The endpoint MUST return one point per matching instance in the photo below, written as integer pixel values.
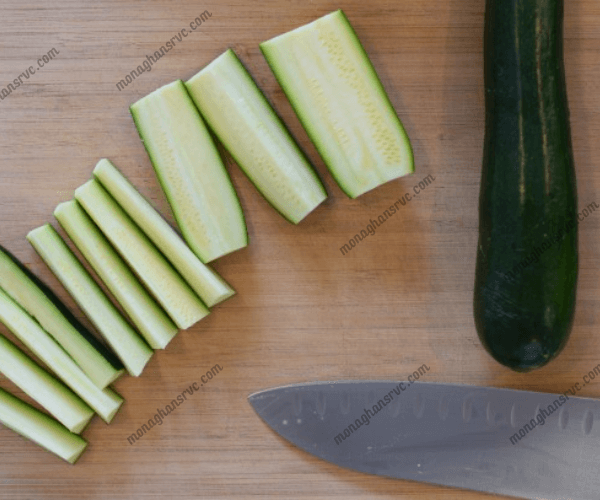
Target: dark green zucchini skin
(527, 263)
(66, 312)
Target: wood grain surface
(303, 311)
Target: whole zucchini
(527, 262)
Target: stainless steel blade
(446, 434)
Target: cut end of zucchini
(244, 121)
(224, 293)
(78, 429)
(108, 380)
(337, 95)
(191, 172)
(76, 453)
(116, 403)
(136, 366)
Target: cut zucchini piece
(244, 121)
(149, 318)
(127, 344)
(168, 287)
(209, 286)
(42, 387)
(337, 95)
(36, 298)
(38, 427)
(191, 172)
(105, 402)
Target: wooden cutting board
(303, 311)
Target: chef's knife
(485, 439)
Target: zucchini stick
(38, 427)
(105, 402)
(127, 344)
(149, 318)
(39, 385)
(207, 284)
(168, 287)
(36, 298)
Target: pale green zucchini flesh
(149, 318)
(64, 405)
(36, 298)
(38, 427)
(244, 121)
(207, 284)
(170, 290)
(191, 172)
(337, 95)
(105, 402)
(124, 340)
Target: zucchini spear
(38, 427)
(207, 284)
(337, 95)
(105, 402)
(191, 172)
(42, 387)
(97, 361)
(171, 291)
(152, 322)
(246, 124)
(128, 345)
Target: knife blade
(463, 436)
